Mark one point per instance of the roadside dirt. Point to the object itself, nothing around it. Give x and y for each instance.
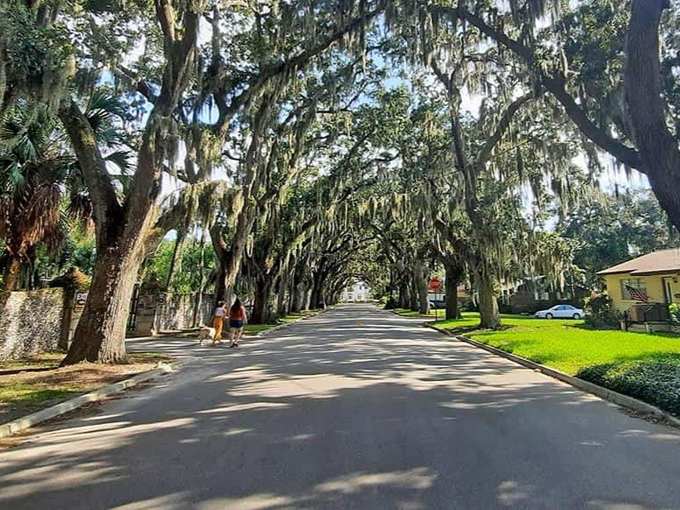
(27, 387)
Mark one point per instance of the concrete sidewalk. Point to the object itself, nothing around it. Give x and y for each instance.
(355, 408)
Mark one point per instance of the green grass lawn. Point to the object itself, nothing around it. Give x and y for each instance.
(32, 384)
(254, 329)
(644, 365)
(567, 345)
(296, 316)
(407, 312)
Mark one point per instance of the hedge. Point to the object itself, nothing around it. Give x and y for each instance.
(655, 380)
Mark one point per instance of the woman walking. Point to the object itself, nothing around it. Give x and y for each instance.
(218, 321)
(237, 320)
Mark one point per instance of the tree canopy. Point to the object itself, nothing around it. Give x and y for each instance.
(295, 146)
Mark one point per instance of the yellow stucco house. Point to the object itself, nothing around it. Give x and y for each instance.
(656, 275)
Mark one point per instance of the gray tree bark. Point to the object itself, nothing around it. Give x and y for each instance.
(454, 273)
(646, 107)
(489, 314)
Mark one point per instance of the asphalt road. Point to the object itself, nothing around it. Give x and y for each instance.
(354, 409)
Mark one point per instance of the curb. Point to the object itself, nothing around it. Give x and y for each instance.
(12, 427)
(418, 317)
(263, 334)
(595, 389)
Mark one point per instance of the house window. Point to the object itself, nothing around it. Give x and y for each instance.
(635, 283)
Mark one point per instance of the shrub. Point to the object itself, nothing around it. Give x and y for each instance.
(674, 311)
(390, 303)
(504, 308)
(600, 314)
(469, 306)
(655, 380)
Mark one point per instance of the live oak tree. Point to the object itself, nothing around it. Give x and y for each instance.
(282, 42)
(126, 212)
(645, 143)
(609, 228)
(227, 87)
(127, 227)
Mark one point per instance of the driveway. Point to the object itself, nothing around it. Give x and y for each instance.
(353, 409)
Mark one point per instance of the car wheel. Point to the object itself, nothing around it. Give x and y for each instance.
(577, 316)
(548, 316)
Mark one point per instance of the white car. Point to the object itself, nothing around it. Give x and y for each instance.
(561, 312)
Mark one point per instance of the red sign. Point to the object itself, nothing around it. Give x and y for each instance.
(435, 284)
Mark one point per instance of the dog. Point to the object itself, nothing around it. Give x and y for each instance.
(206, 333)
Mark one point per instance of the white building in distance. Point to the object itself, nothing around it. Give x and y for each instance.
(357, 291)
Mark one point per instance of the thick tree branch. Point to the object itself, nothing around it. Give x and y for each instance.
(647, 109)
(501, 129)
(139, 83)
(258, 82)
(146, 182)
(166, 17)
(626, 155)
(99, 183)
(184, 208)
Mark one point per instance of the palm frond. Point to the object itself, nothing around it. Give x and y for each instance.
(102, 108)
(80, 206)
(40, 219)
(122, 159)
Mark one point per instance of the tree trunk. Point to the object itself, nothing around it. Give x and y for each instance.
(260, 313)
(452, 311)
(316, 298)
(292, 290)
(12, 276)
(296, 298)
(220, 282)
(453, 276)
(421, 281)
(306, 298)
(281, 295)
(647, 109)
(488, 304)
(67, 317)
(313, 299)
(175, 257)
(124, 230)
(100, 334)
(230, 257)
(404, 300)
(197, 318)
(414, 305)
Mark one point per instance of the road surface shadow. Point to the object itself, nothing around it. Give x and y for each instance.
(328, 414)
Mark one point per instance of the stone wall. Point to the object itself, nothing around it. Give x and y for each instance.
(176, 312)
(44, 320)
(30, 322)
(154, 312)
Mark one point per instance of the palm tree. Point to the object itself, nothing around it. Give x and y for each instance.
(41, 187)
(33, 172)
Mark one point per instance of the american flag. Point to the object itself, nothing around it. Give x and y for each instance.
(637, 294)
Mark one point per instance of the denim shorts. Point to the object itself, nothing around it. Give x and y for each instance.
(235, 324)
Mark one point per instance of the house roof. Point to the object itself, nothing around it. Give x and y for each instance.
(662, 261)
